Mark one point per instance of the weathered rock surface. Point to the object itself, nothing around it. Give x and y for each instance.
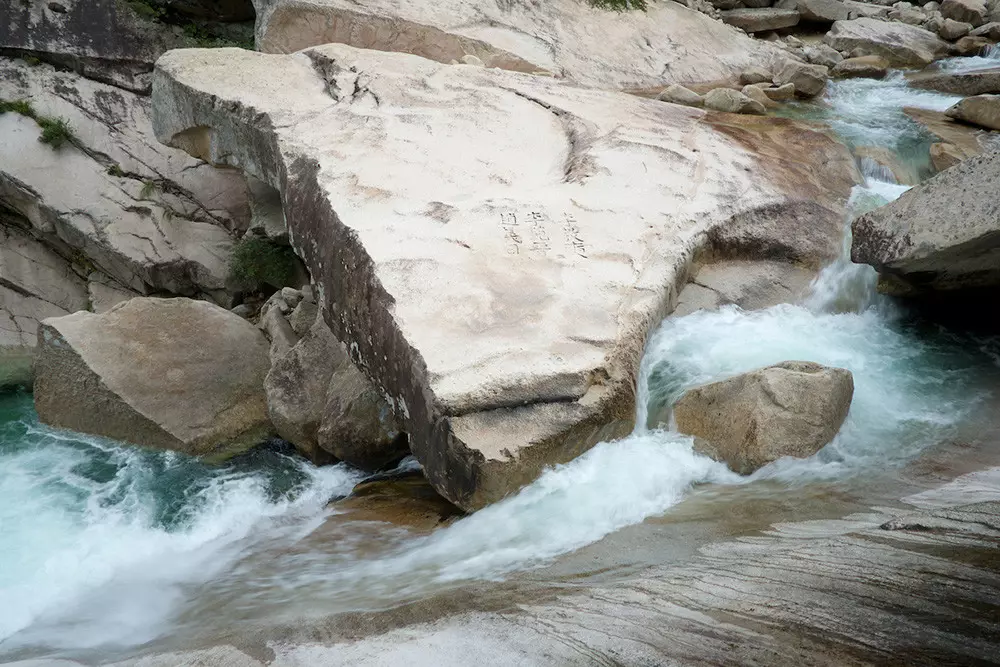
(149, 217)
(823, 54)
(941, 235)
(900, 44)
(990, 31)
(971, 46)
(760, 20)
(750, 285)
(790, 409)
(102, 39)
(953, 30)
(168, 373)
(486, 291)
(870, 67)
(731, 101)
(979, 110)
(667, 43)
(966, 11)
(958, 83)
(820, 11)
(320, 402)
(809, 80)
(944, 155)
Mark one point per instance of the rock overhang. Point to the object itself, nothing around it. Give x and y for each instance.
(493, 247)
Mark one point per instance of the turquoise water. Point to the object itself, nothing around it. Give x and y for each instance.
(106, 546)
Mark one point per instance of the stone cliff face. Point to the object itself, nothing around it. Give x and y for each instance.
(494, 247)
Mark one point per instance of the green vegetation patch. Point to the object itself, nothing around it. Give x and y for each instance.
(55, 131)
(258, 260)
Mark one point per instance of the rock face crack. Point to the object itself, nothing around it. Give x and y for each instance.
(579, 165)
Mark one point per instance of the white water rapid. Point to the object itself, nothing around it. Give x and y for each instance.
(106, 547)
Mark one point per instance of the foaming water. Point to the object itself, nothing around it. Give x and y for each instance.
(102, 541)
(107, 546)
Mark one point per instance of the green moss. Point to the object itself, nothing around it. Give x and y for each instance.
(208, 40)
(145, 10)
(116, 170)
(22, 107)
(55, 131)
(31, 61)
(257, 260)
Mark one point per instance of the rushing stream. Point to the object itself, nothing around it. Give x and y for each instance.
(106, 547)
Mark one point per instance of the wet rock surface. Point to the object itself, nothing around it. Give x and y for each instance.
(900, 44)
(790, 409)
(498, 392)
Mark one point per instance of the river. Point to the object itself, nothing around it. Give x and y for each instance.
(109, 549)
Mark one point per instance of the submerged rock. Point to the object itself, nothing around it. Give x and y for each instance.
(790, 409)
(500, 297)
(869, 67)
(942, 235)
(167, 373)
(900, 44)
(666, 43)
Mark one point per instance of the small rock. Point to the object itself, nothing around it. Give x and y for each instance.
(754, 75)
(934, 23)
(303, 317)
(757, 94)
(470, 59)
(932, 6)
(981, 110)
(823, 55)
(242, 310)
(781, 93)
(870, 67)
(971, 46)
(291, 296)
(677, 94)
(953, 30)
(790, 409)
(944, 155)
(908, 16)
(966, 11)
(732, 101)
(794, 42)
(822, 11)
(759, 20)
(809, 80)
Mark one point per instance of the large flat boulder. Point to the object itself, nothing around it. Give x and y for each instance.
(151, 218)
(790, 409)
(666, 43)
(761, 19)
(942, 235)
(174, 374)
(493, 248)
(902, 45)
(980, 110)
(958, 83)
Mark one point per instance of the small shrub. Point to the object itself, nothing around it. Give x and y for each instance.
(116, 170)
(257, 260)
(22, 107)
(31, 61)
(149, 188)
(55, 131)
(145, 10)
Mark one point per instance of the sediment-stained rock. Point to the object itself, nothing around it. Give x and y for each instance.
(493, 248)
(666, 43)
(168, 373)
(942, 235)
(151, 218)
(958, 83)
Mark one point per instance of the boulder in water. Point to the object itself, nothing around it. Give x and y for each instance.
(499, 298)
(958, 83)
(809, 80)
(174, 374)
(942, 235)
(747, 421)
(900, 44)
(980, 110)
